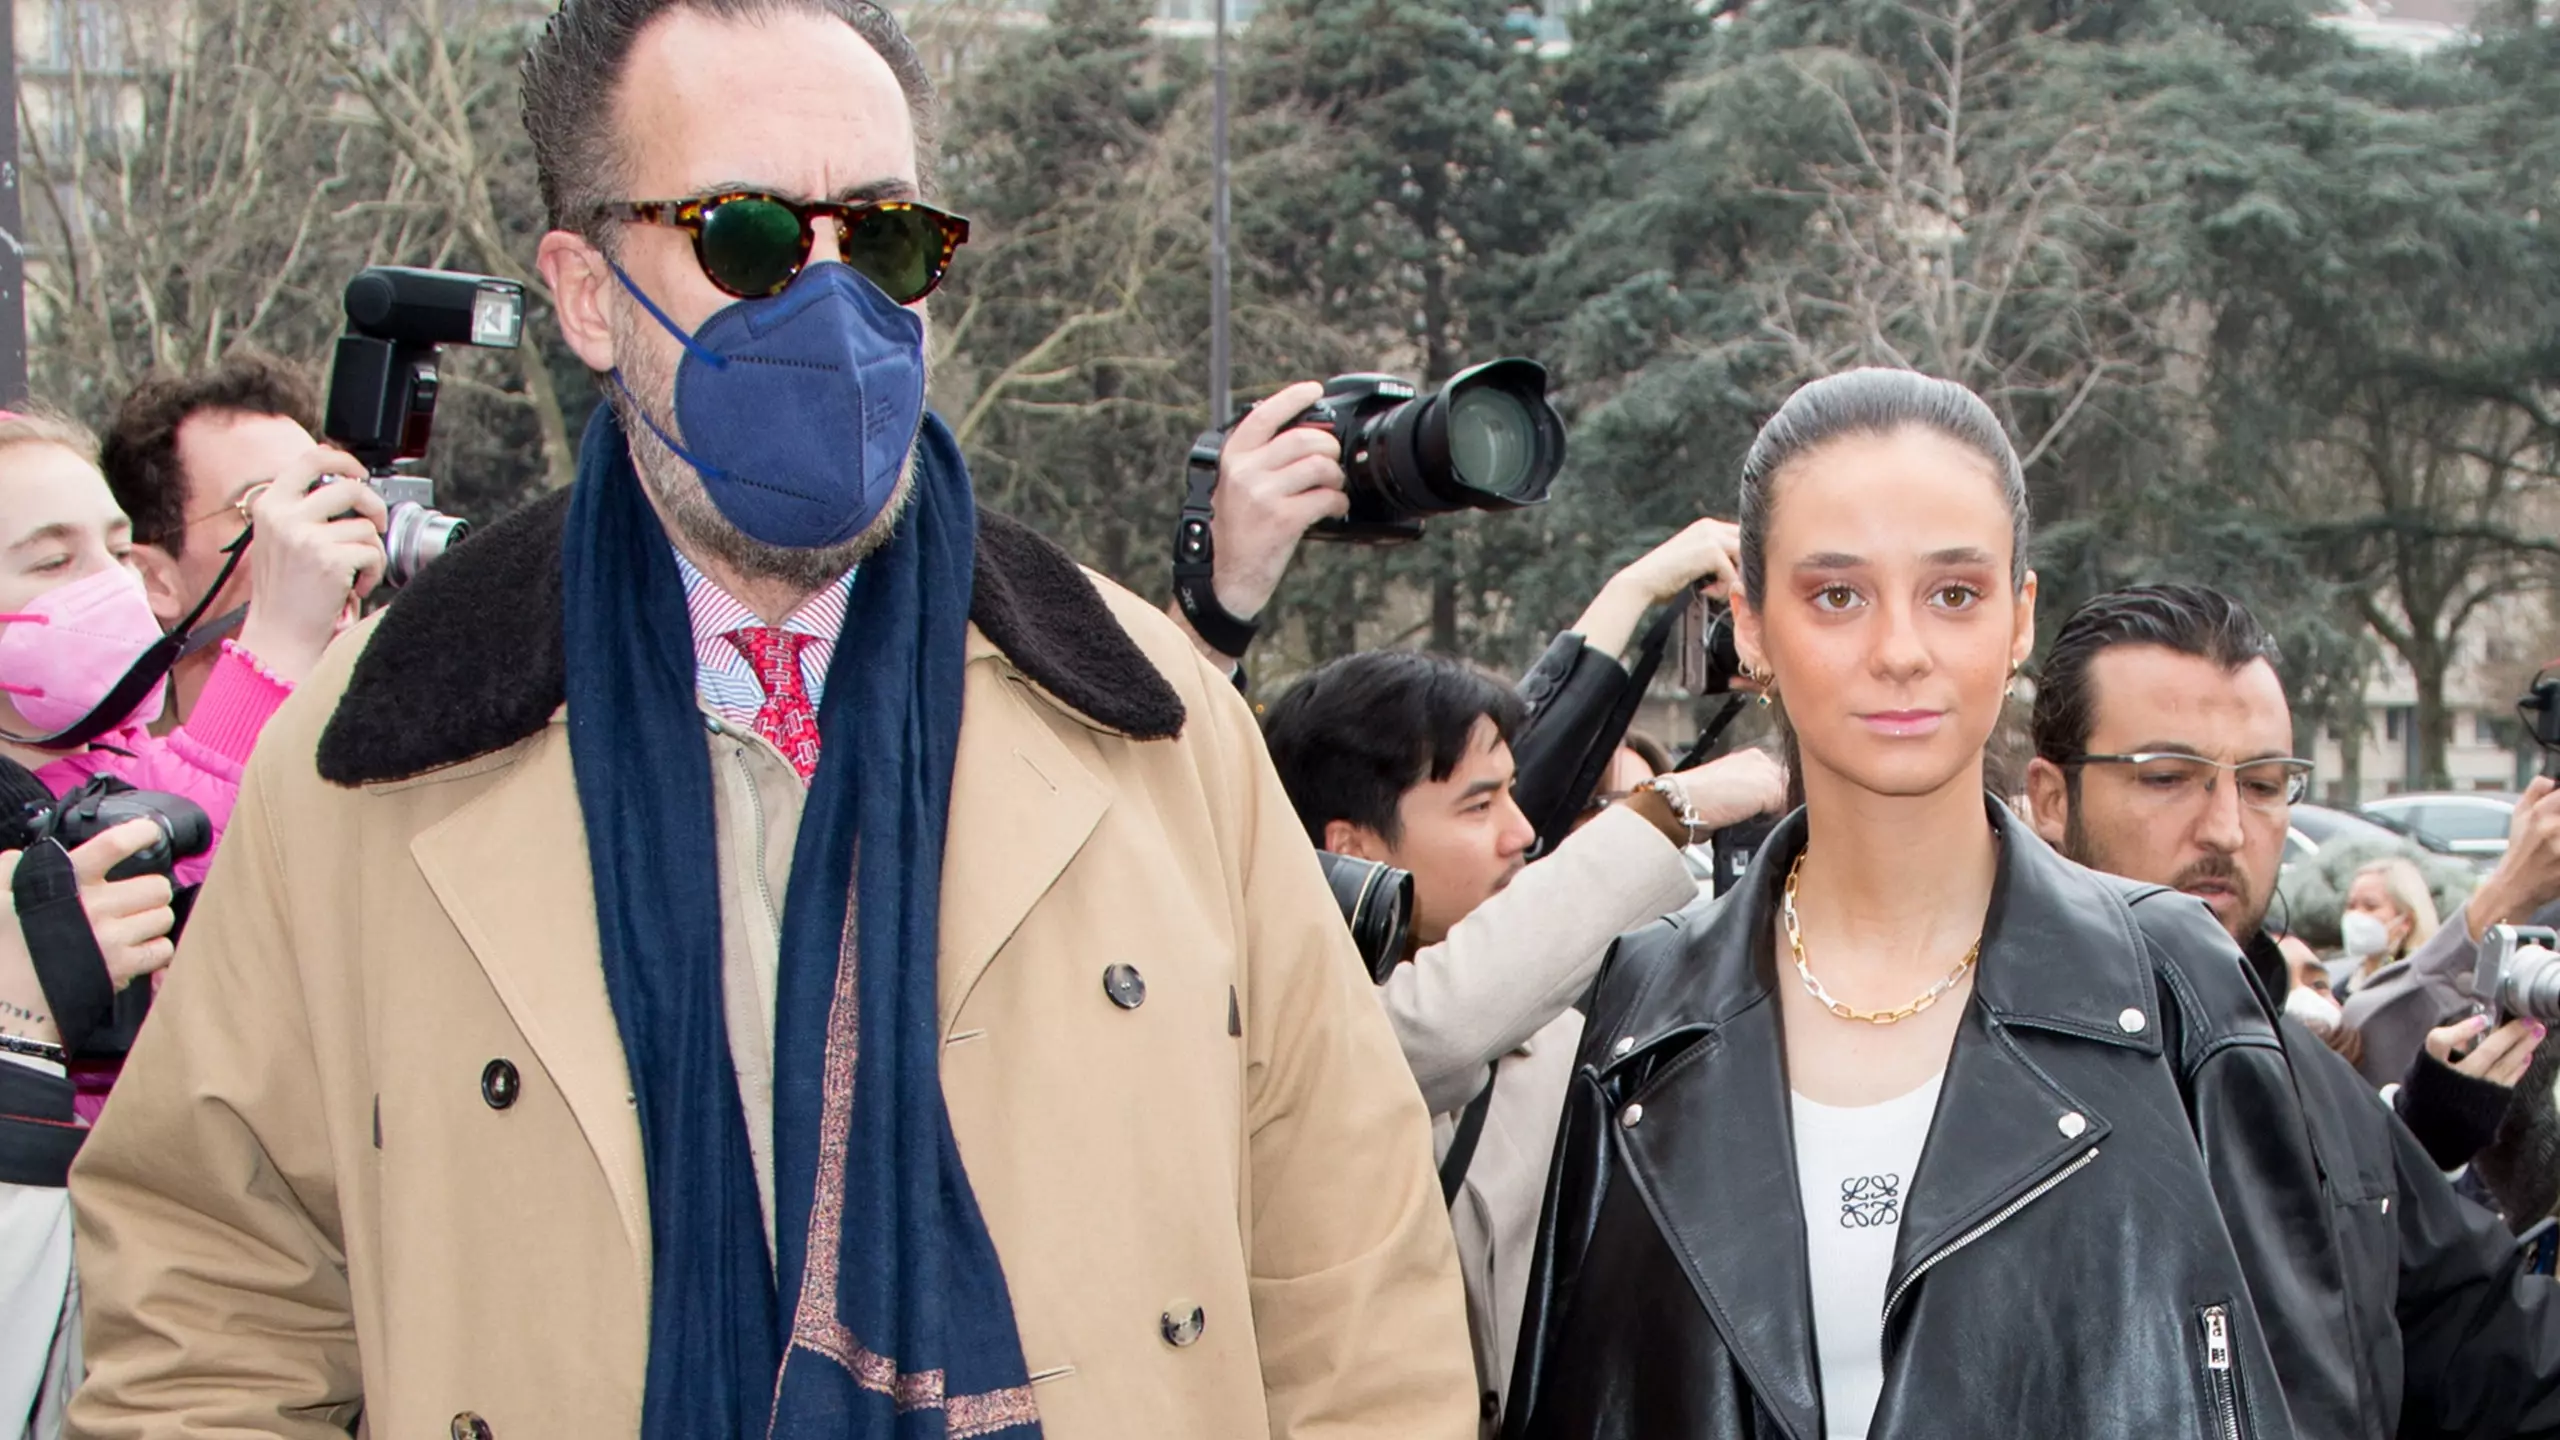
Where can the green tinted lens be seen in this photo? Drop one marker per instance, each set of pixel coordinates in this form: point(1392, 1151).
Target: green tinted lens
point(751, 247)
point(1493, 443)
point(899, 250)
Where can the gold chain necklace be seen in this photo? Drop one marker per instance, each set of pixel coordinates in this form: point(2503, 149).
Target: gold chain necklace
point(1814, 987)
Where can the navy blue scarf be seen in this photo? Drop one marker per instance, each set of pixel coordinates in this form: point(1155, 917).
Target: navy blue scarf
point(886, 1314)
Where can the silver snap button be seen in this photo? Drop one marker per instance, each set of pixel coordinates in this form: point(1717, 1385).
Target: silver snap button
point(1182, 1323)
point(2072, 1125)
point(1626, 1046)
point(2131, 1022)
point(1628, 1117)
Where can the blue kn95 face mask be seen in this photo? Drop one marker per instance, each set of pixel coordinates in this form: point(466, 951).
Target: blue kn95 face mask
point(799, 409)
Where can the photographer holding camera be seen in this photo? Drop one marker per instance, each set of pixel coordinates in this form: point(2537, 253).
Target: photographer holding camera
point(183, 453)
point(75, 622)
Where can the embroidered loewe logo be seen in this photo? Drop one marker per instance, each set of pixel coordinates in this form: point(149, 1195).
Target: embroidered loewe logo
point(1867, 1201)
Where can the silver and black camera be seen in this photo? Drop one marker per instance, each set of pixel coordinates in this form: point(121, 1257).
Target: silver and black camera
point(383, 383)
point(2518, 973)
point(1377, 903)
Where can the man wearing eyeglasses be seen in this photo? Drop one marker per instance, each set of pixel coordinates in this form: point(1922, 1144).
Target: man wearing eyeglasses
point(2164, 754)
point(186, 456)
point(757, 945)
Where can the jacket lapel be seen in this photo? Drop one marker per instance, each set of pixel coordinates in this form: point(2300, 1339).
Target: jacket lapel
point(2061, 966)
point(1714, 1158)
point(1022, 806)
point(497, 866)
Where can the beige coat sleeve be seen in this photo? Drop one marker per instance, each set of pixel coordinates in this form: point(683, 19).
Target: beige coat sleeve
point(1357, 1308)
point(214, 1286)
point(1528, 953)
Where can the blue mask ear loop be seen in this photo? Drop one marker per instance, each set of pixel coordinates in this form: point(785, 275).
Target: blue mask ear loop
point(692, 347)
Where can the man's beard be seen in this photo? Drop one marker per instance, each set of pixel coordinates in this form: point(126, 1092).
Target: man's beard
point(2252, 914)
point(648, 380)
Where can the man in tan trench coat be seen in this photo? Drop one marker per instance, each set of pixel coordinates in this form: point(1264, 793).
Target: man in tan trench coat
point(376, 1163)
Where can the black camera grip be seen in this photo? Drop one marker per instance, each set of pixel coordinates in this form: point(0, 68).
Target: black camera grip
point(69, 965)
point(1195, 555)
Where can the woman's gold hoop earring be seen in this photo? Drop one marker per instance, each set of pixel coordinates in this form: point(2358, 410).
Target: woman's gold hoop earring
point(1767, 680)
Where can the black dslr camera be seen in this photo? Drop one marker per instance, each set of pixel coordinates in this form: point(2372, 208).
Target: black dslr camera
point(1487, 440)
point(383, 383)
point(97, 1021)
point(105, 803)
point(1377, 903)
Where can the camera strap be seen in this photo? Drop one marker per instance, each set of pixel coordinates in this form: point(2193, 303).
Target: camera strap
point(69, 966)
point(150, 668)
point(1195, 555)
point(1462, 1145)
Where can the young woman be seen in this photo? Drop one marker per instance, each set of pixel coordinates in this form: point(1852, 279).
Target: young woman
point(2397, 915)
point(73, 619)
point(1913, 1133)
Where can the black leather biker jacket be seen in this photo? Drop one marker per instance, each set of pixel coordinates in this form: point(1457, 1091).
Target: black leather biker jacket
point(2064, 1268)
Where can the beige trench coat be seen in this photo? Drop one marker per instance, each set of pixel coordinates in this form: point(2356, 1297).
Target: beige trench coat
point(302, 1207)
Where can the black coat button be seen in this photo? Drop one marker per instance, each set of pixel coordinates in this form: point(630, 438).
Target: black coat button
point(499, 1085)
point(1126, 987)
point(467, 1426)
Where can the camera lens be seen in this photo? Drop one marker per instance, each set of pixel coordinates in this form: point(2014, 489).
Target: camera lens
point(1492, 442)
point(2532, 985)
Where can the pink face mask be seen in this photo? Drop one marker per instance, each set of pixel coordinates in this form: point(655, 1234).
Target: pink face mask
point(61, 656)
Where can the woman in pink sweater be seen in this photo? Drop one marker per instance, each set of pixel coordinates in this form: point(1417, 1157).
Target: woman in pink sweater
point(73, 618)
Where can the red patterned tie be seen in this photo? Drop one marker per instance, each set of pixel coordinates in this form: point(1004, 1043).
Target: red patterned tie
point(787, 719)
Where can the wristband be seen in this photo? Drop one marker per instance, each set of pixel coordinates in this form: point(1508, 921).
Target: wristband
point(1195, 556)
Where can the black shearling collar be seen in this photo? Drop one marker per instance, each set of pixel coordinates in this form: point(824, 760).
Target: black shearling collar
point(468, 661)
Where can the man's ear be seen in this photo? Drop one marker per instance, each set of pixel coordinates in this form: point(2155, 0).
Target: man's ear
point(581, 285)
point(2023, 647)
point(159, 571)
point(2048, 801)
point(1343, 837)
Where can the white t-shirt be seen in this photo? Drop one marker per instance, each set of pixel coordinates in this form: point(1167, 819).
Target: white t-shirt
point(1853, 1173)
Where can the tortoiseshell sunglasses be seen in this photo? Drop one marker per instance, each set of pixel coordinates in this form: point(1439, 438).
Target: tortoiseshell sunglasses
point(751, 244)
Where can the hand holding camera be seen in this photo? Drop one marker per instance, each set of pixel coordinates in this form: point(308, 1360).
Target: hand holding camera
point(1705, 558)
point(1275, 479)
point(317, 554)
point(131, 918)
point(2499, 1056)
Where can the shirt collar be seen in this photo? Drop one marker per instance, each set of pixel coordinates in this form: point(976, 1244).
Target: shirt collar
point(717, 612)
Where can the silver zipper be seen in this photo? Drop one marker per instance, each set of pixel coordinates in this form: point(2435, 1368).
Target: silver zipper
point(1978, 1231)
point(2218, 1376)
point(755, 805)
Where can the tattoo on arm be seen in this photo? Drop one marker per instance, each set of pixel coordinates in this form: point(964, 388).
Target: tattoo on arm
point(20, 1012)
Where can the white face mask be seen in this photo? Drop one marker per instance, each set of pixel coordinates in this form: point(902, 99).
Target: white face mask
point(2362, 935)
point(2318, 1013)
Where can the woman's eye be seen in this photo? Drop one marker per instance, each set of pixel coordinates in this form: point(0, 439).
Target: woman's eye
point(1834, 597)
point(52, 563)
point(1957, 597)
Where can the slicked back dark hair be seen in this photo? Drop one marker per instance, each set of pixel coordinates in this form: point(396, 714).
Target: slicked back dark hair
point(1872, 401)
point(2187, 619)
point(573, 75)
point(140, 452)
point(1352, 737)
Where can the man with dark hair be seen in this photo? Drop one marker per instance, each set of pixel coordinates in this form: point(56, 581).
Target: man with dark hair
point(2164, 753)
point(665, 981)
point(1405, 759)
point(184, 455)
